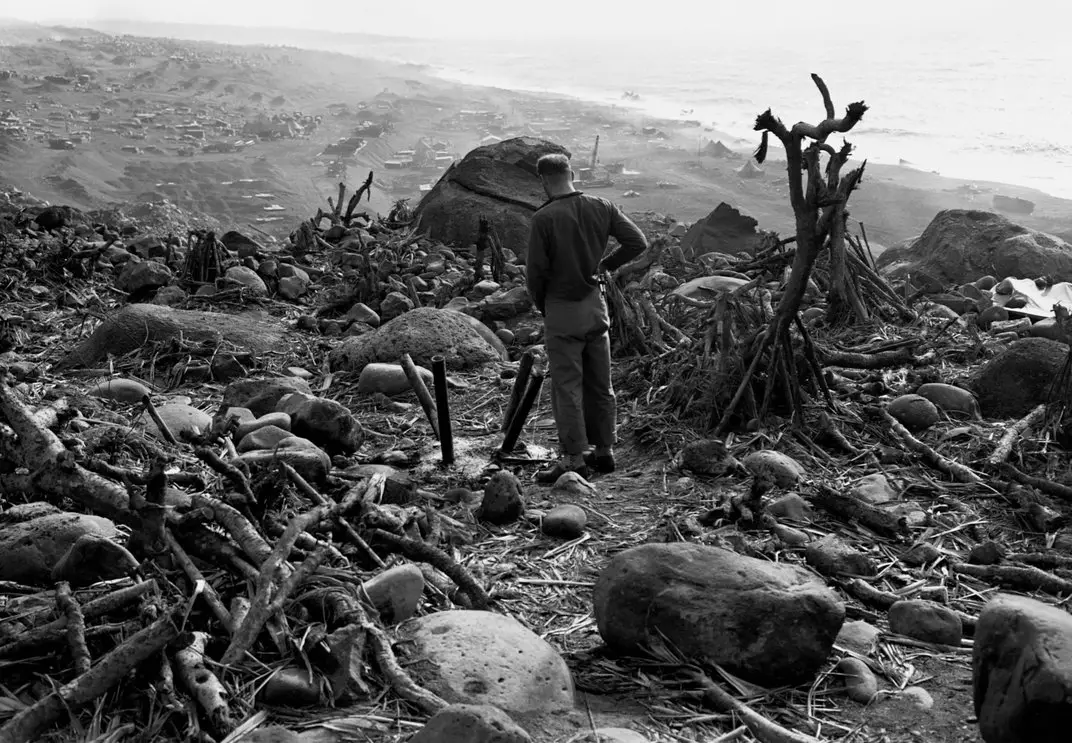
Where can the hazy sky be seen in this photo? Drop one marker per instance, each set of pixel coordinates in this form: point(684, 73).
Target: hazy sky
point(558, 17)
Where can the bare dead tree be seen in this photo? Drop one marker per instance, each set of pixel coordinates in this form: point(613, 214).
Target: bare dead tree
point(818, 200)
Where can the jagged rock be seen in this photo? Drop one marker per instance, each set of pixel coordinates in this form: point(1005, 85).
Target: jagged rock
point(914, 412)
point(327, 423)
point(422, 333)
point(265, 437)
point(1022, 671)
point(953, 401)
point(859, 682)
point(502, 503)
point(790, 506)
point(246, 247)
point(780, 469)
point(858, 636)
point(396, 592)
point(724, 230)
point(121, 390)
point(1011, 384)
point(498, 181)
point(260, 396)
point(481, 657)
point(169, 296)
point(362, 313)
point(36, 536)
point(832, 557)
point(987, 553)
point(926, 621)
point(565, 522)
point(874, 489)
point(389, 379)
point(504, 305)
point(136, 325)
point(471, 723)
point(293, 287)
point(292, 686)
point(769, 623)
point(248, 278)
point(248, 425)
point(707, 457)
point(142, 275)
point(179, 419)
point(959, 246)
point(398, 489)
point(394, 305)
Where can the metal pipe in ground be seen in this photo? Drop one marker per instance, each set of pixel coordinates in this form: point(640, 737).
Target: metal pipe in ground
point(446, 436)
point(524, 369)
point(532, 393)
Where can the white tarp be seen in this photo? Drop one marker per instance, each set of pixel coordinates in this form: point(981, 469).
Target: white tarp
point(1040, 302)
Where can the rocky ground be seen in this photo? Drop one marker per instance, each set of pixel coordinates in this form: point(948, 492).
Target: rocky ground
point(226, 513)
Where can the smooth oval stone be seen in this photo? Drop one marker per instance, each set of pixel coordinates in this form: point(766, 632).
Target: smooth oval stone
point(914, 412)
point(120, 390)
point(267, 437)
point(565, 521)
point(279, 420)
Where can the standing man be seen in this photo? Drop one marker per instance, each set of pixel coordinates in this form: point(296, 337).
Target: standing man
point(566, 249)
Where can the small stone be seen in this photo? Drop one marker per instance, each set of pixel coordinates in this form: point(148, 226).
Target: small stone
point(920, 554)
point(396, 592)
point(987, 553)
point(502, 503)
point(564, 522)
point(121, 390)
point(471, 723)
point(261, 395)
point(226, 367)
point(248, 279)
point(789, 536)
point(93, 558)
point(953, 401)
point(242, 415)
point(265, 437)
point(390, 379)
point(310, 461)
point(790, 506)
point(573, 484)
point(614, 735)
point(858, 636)
point(707, 457)
point(486, 287)
point(780, 469)
point(292, 686)
point(179, 419)
point(874, 489)
point(246, 427)
point(505, 335)
point(860, 683)
point(922, 700)
point(914, 412)
point(926, 621)
point(307, 322)
point(362, 313)
point(169, 296)
point(833, 557)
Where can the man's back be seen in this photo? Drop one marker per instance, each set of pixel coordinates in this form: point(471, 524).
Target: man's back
point(567, 241)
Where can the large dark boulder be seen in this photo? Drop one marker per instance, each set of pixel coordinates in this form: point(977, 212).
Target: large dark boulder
point(724, 230)
point(498, 181)
point(1012, 383)
point(960, 246)
point(768, 623)
point(1022, 672)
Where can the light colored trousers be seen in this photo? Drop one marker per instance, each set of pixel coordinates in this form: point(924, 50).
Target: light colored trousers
point(577, 339)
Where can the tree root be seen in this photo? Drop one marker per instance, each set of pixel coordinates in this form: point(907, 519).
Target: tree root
point(1018, 578)
point(853, 509)
point(76, 626)
point(1008, 440)
point(421, 552)
point(958, 471)
point(204, 686)
point(426, 701)
point(764, 730)
point(29, 724)
point(215, 603)
point(1049, 487)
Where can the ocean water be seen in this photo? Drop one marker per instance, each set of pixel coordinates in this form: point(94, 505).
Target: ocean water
point(983, 106)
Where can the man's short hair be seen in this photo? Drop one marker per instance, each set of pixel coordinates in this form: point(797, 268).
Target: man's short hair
point(554, 164)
